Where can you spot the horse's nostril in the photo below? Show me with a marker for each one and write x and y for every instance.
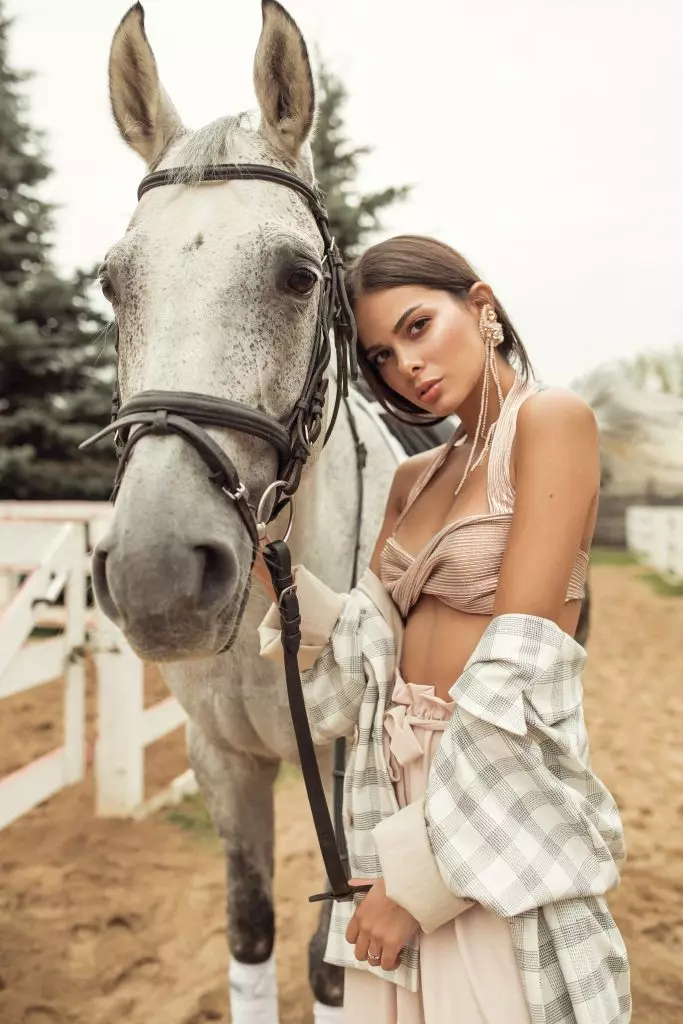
(103, 594)
(218, 575)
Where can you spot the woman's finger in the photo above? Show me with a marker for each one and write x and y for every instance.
(362, 944)
(375, 955)
(352, 929)
(391, 957)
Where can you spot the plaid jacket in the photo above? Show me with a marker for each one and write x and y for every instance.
(513, 818)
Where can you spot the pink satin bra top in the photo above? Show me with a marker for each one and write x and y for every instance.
(461, 563)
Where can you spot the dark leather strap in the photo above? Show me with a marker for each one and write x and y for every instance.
(237, 172)
(222, 470)
(339, 770)
(278, 559)
(208, 410)
(211, 411)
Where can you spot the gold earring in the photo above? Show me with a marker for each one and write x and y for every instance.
(490, 327)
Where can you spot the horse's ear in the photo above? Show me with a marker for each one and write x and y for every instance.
(283, 79)
(144, 114)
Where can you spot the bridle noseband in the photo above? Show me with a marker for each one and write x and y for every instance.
(187, 414)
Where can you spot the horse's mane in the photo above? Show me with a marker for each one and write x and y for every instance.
(212, 144)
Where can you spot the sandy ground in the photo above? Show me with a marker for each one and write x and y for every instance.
(103, 922)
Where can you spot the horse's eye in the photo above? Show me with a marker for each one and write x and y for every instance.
(302, 280)
(107, 287)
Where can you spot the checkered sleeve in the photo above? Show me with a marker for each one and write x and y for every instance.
(515, 817)
(342, 638)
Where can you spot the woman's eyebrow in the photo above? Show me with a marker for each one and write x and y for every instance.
(402, 319)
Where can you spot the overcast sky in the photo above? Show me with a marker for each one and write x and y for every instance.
(543, 138)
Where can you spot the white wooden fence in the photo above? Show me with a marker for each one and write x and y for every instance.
(655, 535)
(51, 542)
(52, 557)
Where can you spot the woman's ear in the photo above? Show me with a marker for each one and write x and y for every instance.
(480, 295)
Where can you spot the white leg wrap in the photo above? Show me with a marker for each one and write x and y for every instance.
(253, 992)
(327, 1014)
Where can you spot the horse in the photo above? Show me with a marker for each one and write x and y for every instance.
(215, 288)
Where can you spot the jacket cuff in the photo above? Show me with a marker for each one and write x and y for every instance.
(409, 869)
(319, 606)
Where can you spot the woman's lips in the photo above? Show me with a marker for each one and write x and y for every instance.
(432, 392)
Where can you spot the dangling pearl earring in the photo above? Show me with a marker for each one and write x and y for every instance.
(490, 328)
(491, 331)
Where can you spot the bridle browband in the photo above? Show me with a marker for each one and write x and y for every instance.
(187, 414)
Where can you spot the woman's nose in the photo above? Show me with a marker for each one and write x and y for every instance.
(409, 364)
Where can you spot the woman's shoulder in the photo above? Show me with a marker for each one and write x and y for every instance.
(408, 473)
(412, 468)
(556, 430)
(557, 409)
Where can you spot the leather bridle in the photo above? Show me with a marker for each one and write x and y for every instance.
(187, 414)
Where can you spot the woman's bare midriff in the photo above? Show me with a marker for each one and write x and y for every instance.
(438, 641)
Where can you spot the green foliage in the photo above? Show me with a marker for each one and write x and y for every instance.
(611, 556)
(617, 556)
(657, 370)
(192, 816)
(663, 586)
(353, 217)
(55, 373)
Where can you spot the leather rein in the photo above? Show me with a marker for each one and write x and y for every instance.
(187, 414)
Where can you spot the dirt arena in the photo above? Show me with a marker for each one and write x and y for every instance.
(103, 922)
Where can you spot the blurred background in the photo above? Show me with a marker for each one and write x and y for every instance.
(540, 138)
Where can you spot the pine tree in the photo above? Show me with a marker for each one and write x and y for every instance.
(55, 379)
(353, 217)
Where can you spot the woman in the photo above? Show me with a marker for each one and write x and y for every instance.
(469, 799)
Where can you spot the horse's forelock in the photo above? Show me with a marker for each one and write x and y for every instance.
(215, 143)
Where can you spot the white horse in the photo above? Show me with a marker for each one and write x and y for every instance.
(200, 284)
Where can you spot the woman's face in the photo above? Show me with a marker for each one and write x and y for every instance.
(425, 344)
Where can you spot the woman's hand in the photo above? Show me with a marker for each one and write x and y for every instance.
(379, 927)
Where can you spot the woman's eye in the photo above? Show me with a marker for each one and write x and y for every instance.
(302, 280)
(418, 325)
(381, 357)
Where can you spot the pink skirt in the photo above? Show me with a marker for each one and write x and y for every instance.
(468, 972)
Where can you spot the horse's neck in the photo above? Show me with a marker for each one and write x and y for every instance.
(323, 536)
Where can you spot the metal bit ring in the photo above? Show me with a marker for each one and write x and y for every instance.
(261, 525)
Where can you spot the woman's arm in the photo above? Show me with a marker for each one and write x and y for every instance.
(557, 479)
(514, 818)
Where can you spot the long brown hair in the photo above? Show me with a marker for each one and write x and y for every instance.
(418, 260)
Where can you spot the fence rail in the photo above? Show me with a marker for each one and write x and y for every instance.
(52, 557)
(44, 553)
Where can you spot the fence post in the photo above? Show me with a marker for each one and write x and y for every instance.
(119, 747)
(119, 750)
(74, 689)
